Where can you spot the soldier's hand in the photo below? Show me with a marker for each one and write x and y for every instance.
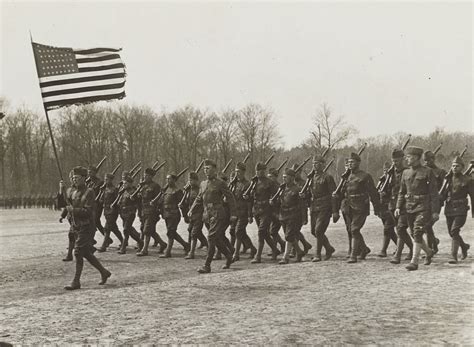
(61, 219)
(186, 219)
(397, 213)
(435, 217)
(250, 220)
(233, 218)
(335, 217)
(69, 208)
(190, 214)
(62, 186)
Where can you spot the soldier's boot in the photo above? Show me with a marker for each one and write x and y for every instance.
(364, 250)
(464, 247)
(428, 251)
(281, 242)
(349, 237)
(247, 244)
(105, 244)
(183, 243)
(192, 250)
(218, 255)
(76, 282)
(299, 252)
(272, 244)
(167, 253)
(319, 246)
(123, 247)
(454, 251)
(385, 243)
(356, 244)
(70, 248)
(236, 255)
(286, 255)
(306, 245)
(119, 236)
(329, 248)
(258, 256)
(233, 239)
(104, 273)
(135, 236)
(409, 243)
(396, 259)
(144, 250)
(416, 256)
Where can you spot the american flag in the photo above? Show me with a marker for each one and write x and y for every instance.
(70, 76)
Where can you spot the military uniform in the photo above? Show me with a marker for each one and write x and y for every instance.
(304, 215)
(211, 194)
(275, 226)
(95, 183)
(359, 189)
(127, 209)
(82, 218)
(456, 208)
(418, 195)
(110, 214)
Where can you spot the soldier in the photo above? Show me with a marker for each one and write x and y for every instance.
(95, 183)
(358, 190)
(322, 207)
(460, 186)
(262, 211)
(401, 221)
(127, 209)
(291, 208)
(210, 197)
(170, 211)
(243, 211)
(388, 219)
(65, 214)
(82, 217)
(419, 196)
(148, 191)
(344, 206)
(276, 225)
(429, 159)
(110, 213)
(229, 244)
(195, 222)
(304, 220)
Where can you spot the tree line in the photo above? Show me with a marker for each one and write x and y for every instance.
(183, 137)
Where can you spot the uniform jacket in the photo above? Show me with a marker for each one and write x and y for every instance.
(359, 189)
(322, 187)
(456, 201)
(292, 206)
(127, 205)
(243, 208)
(149, 192)
(264, 191)
(439, 175)
(169, 202)
(109, 196)
(82, 200)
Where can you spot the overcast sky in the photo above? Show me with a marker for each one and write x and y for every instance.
(386, 67)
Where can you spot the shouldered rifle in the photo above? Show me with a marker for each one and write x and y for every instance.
(160, 194)
(102, 187)
(309, 178)
(469, 169)
(122, 189)
(443, 191)
(247, 157)
(437, 148)
(187, 186)
(282, 164)
(233, 181)
(142, 183)
(88, 179)
(300, 167)
(250, 190)
(201, 164)
(386, 179)
(346, 175)
(137, 166)
(274, 198)
(224, 170)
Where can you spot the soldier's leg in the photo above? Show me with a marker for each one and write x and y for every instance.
(213, 231)
(232, 232)
(107, 229)
(268, 238)
(240, 231)
(126, 234)
(92, 259)
(388, 221)
(430, 236)
(262, 224)
(418, 223)
(321, 228)
(149, 226)
(347, 222)
(116, 230)
(173, 232)
(457, 222)
(97, 221)
(358, 244)
(70, 248)
(402, 239)
(274, 232)
(76, 282)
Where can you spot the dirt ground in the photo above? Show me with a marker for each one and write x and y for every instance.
(165, 301)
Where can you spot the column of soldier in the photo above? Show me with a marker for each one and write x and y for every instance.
(29, 201)
(408, 200)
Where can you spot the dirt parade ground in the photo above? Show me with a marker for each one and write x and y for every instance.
(165, 301)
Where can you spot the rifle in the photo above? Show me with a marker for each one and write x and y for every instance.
(282, 164)
(160, 194)
(253, 183)
(187, 186)
(187, 189)
(201, 164)
(88, 179)
(346, 174)
(437, 148)
(247, 157)
(141, 184)
(470, 168)
(387, 178)
(122, 190)
(102, 187)
(137, 165)
(309, 177)
(447, 178)
(226, 166)
(299, 167)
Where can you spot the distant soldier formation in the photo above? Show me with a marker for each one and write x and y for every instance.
(48, 201)
(408, 199)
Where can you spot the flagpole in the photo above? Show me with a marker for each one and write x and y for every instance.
(48, 122)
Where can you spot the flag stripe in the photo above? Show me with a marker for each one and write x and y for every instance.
(96, 58)
(100, 63)
(59, 78)
(98, 68)
(95, 50)
(65, 102)
(65, 87)
(79, 90)
(83, 94)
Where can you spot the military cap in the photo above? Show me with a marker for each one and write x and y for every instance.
(125, 174)
(346, 161)
(354, 156)
(260, 166)
(149, 171)
(109, 176)
(458, 160)
(210, 162)
(290, 172)
(92, 168)
(128, 179)
(387, 165)
(272, 172)
(193, 175)
(79, 170)
(318, 159)
(428, 155)
(413, 150)
(397, 153)
(240, 166)
(172, 175)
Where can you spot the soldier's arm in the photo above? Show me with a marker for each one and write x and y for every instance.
(198, 201)
(373, 194)
(331, 188)
(248, 202)
(402, 192)
(229, 197)
(470, 192)
(433, 192)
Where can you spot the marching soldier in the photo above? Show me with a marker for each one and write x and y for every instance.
(262, 211)
(344, 206)
(359, 189)
(195, 222)
(110, 213)
(429, 159)
(95, 183)
(322, 207)
(127, 210)
(403, 238)
(304, 216)
(170, 212)
(211, 195)
(276, 225)
(388, 219)
(64, 214)
(419, 196)
(243, 212)
(229, 244)
(81, 213)
(460, 186)
(290, 214)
